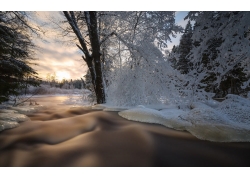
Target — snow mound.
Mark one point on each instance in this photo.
(212, 103)
(27, 109)
(10, 119)
(7, 125)
(237, 109)
(13, 117)
(164, 118)
(172, 113)
(219, 132)
(210, 124)
(227, 121)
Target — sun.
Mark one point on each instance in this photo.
(62, 75)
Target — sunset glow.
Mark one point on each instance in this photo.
(62, 75)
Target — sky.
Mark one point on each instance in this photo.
(55, 56)
(66, 60)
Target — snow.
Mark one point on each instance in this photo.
(7, 125)
(27, 109)
(115, 109)
(237, 109)
(166, 117)
(13, 117)
(7, 111)
(228, 121)
(10, 119)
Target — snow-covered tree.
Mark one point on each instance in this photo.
(112, 39)
(173, 56)
(222, 48)
(183, 63)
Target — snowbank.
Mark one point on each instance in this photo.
(169, 118)
(13, 117)
(27, 109)
(228, 121)
(7, 125)
(10, 119)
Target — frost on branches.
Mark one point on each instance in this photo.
(139, 73)
(220, 53)
(150, 81)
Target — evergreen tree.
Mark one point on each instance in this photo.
(15, 51)
(173, 56)
(221, 50)
(184, 49)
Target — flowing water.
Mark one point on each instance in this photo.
(62, 135)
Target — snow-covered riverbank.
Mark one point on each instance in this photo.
(227, 121)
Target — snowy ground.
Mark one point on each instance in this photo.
(227, 121)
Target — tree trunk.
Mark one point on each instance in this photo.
(93, 61)
(96, 55)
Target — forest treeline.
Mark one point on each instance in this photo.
(128, 59)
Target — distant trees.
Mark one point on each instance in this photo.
(15, 52)
(52, 81)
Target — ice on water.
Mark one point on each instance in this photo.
(10, 119)
(228, 121)
(13, 117)
(7, 124)
(167, 118)
(27, 109)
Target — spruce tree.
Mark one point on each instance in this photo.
(173, 56)
(184, 49)
(221, 53)
(15, 51)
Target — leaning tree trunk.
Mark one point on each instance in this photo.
(93, 60)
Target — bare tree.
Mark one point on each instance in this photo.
(92, 59)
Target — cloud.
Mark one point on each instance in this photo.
(52, 54)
